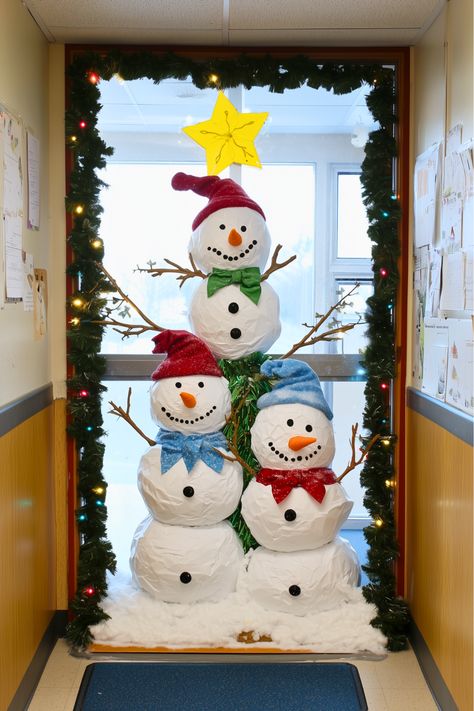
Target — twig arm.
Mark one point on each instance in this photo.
(183, 273)
(125, 415)
(275, 265)
(354, 462)
(128, 300)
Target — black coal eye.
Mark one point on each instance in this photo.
(243, 228)
(178, 385)
(308, 428)
(290, 423)
(222, 227)
(201, 384)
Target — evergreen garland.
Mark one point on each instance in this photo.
(88, 153)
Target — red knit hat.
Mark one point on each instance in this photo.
(186, 355)
(221, 193)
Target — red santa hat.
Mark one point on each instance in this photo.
(221, 193)
(186, 355)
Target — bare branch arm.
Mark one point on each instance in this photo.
(125, 415)
(364, 451)
(182, 272)
(128, 300)
(275, 265)
(310, 338)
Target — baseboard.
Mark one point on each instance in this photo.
(28, 684)
(432, 675)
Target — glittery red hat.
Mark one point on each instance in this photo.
(186, 355)
(221, 193)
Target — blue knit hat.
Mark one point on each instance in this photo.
(298, 383)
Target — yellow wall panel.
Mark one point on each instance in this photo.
(27, 538)
(439, 555)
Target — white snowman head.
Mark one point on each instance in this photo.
(230, 232)
(293, 429)
(190, 394)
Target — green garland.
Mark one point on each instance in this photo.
(89, 153)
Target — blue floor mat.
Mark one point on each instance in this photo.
(231, 686)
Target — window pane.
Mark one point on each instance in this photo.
(145, 219)
(278, 190)
(352, 223)
(355, 340)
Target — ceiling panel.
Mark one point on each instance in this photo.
(329, 14)
(235, 22)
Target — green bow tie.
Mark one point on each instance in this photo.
(249, 280)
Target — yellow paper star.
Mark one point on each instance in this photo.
(228, 136)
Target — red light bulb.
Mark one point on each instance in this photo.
(83, 393)
(89, 591)
(383, 272)
(384, 386)
(82, 124)
(93, 78)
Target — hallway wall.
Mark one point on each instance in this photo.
(439, 490)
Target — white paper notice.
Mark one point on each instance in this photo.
(451, 223)
(420, 288)
(434, 284)
(13, 172)
(460, 391)
(425, 192)
(435, 358)
(14, 272)
(452, 294)
(33, 156)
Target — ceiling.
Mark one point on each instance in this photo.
(236, 22)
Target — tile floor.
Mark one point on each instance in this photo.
(393, 684)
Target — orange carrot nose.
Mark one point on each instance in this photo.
(298, 442)
(188, 399)
(234, 238)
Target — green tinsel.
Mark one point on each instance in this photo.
(88, 154)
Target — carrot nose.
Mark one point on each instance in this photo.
(188, 399)
(298, 442)
(234, 238)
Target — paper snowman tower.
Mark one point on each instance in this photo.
(185, 551)
(295, 507)
(234, 311)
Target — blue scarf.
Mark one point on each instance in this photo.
(191, 448)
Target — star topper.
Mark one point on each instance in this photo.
(228, 136)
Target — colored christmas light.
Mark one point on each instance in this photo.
(383, 272)
(79, 209)
(83, 393)
(89, 591)
(77, 302)
(384, 386)
(94, 78)
(82, 124)
(378, 522)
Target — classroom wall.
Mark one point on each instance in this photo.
(33, 469)
(439, 493)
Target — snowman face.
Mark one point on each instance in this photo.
(292, 436)
(231, 238)
(190, 404)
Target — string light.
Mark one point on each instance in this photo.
(384, 386)
(378, 522)
(82, 517)
(82, 124)
(386, 442)
(383, 272)
(394, 197)
(94, 78)
(385, 213)
(99, 502)
(79, 209)
(96, 243)
(390, 483)
(89, 591)
(89, 428)
(75, 321)
(98, 490)
(83, 393)
(77, 302)
(213, 78)
(73, 139)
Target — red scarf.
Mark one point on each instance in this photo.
(283, 481)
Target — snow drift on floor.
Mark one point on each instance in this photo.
(139, 620)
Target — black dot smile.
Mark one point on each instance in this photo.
(298, 458)
(182, 421)
(230, 257)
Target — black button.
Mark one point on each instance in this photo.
(235, 333)
(233, 307)
(290, 515)
(186, 578)
(294, 590)
(188, 491)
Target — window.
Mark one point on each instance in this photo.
(311, 196)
